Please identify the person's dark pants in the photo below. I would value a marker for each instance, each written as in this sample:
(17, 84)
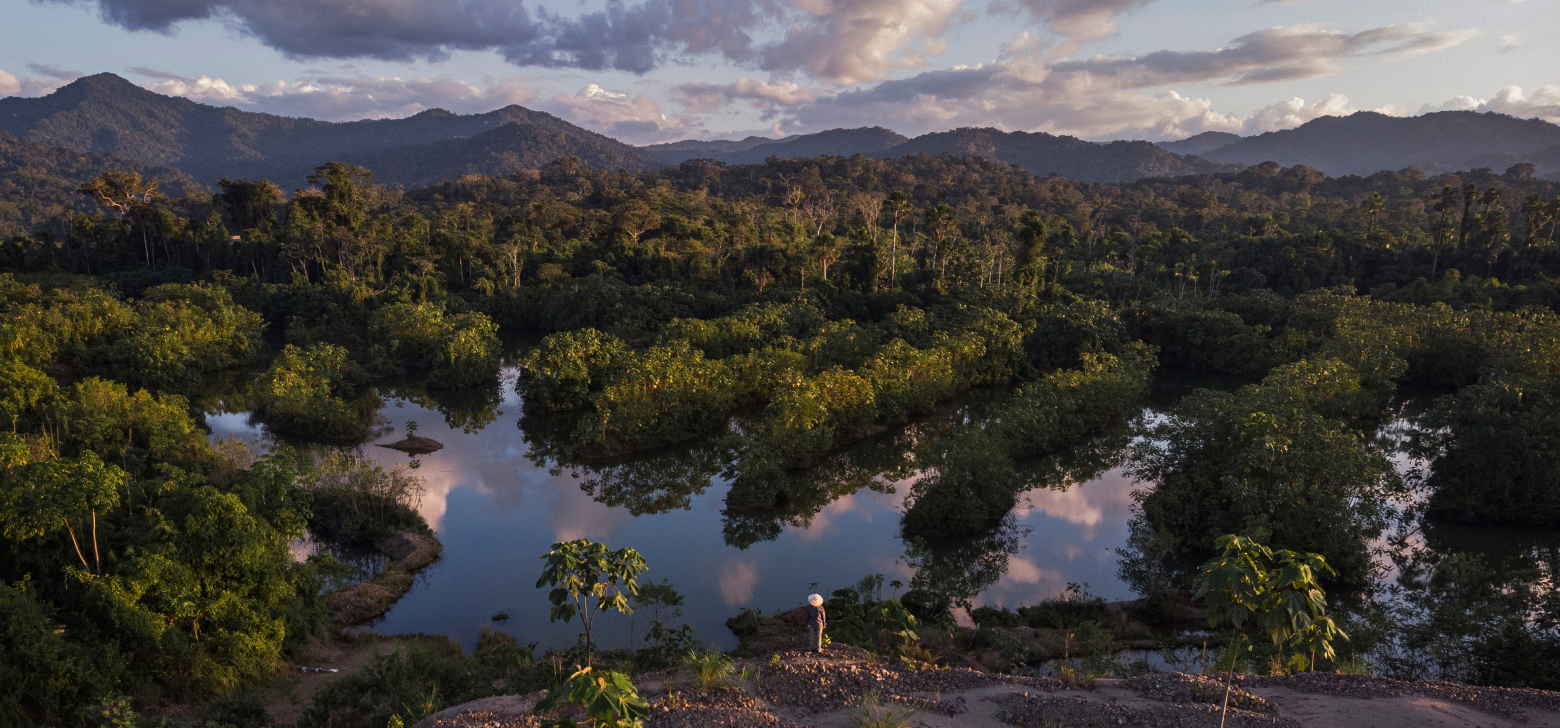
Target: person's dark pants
(815, 637)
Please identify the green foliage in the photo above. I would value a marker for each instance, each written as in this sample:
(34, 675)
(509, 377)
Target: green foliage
(354, 501)
(456, 351)
(1259, 462)
(594, 578)
(665, 394)
(1279, 592)
(609, 700)
(568, 368)
(179, 332)
(871, 713)
(410, 682)
(707, 670)
(45, 676)
(1492, 450)
(305, 392)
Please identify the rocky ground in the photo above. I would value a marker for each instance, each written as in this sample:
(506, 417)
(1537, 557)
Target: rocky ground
(804, 689)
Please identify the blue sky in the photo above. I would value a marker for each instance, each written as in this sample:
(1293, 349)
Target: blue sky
(659, 70)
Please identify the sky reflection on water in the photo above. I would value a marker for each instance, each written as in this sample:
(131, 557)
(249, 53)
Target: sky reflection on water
(496, 512)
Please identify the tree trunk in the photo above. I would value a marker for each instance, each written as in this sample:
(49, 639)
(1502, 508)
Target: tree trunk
(72, 533)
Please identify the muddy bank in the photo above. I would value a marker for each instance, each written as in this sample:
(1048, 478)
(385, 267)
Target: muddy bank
(406, 554)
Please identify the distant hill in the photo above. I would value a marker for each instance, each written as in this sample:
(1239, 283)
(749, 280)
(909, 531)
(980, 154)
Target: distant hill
(754, 150)
(1043, 154)
(1201, 143)
(38, 182)
(505, 150)
(107, 114)
(1367, 142)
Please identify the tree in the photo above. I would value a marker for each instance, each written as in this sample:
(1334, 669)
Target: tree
(1279, 592)
(594, 578)
(634, 218)
(895, 207)
(827, 248)
(119, 191)
(1373, 206)
(40, 498)
(939, 220)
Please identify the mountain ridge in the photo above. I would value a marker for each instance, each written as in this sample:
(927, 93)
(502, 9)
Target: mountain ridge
(105, 113)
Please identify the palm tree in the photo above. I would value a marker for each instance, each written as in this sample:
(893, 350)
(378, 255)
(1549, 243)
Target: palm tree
(1374, 206)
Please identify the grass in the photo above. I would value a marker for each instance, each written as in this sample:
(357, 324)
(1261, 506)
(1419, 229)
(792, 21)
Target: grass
(873, 714)
(707, 670)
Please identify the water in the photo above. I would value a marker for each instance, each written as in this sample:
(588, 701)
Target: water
(497, 511)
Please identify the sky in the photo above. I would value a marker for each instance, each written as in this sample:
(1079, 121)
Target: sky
(648, 71)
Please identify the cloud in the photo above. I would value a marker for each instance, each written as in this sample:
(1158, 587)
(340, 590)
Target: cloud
(704, 97)
(839, 41)
(1508, 43)
(1077, 21)
(1112, 96)
(48, 79)
(636, 119)
(621, 37)
(52, 72)
(1293, 113)
(338, 98)
(847, 42)
(1543, 104)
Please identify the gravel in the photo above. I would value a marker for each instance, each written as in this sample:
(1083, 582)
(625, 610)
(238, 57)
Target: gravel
(1505, 702)
(1037, 711)
(837, 679)
(1183, 689)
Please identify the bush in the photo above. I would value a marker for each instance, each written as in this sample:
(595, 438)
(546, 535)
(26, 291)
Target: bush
(411, 682)
(44, 677)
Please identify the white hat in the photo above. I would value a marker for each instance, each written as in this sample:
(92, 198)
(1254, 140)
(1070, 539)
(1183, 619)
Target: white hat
(815, 600)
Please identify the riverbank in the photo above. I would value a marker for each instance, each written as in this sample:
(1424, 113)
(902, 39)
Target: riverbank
(406, 553)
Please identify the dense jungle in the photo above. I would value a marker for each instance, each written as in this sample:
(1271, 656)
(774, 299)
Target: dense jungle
(793, 332)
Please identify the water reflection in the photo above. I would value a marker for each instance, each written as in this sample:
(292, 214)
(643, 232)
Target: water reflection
(499, 494)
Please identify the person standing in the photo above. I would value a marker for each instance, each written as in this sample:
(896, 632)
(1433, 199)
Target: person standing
(816, 619)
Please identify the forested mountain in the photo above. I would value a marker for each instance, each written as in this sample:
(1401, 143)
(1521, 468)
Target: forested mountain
(38, 182)
(1043, 154)
(1368, 142)
(1201, 143)
(844, 142)
(1039, 153)
(107, 114)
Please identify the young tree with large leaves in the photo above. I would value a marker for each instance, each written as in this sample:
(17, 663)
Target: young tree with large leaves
(586, 578)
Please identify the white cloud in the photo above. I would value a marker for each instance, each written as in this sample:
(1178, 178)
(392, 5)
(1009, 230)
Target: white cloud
(338, 98)
(1116, 96)
(634, 119)
(9, 85)
(846, 42)
(704, 98)
(1543, 104)
(737, 579)
(1293, 113)
(1508, 43)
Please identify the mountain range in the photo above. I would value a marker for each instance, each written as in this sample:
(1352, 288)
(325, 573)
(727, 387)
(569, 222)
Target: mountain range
(1368, 142)
(111, 117)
